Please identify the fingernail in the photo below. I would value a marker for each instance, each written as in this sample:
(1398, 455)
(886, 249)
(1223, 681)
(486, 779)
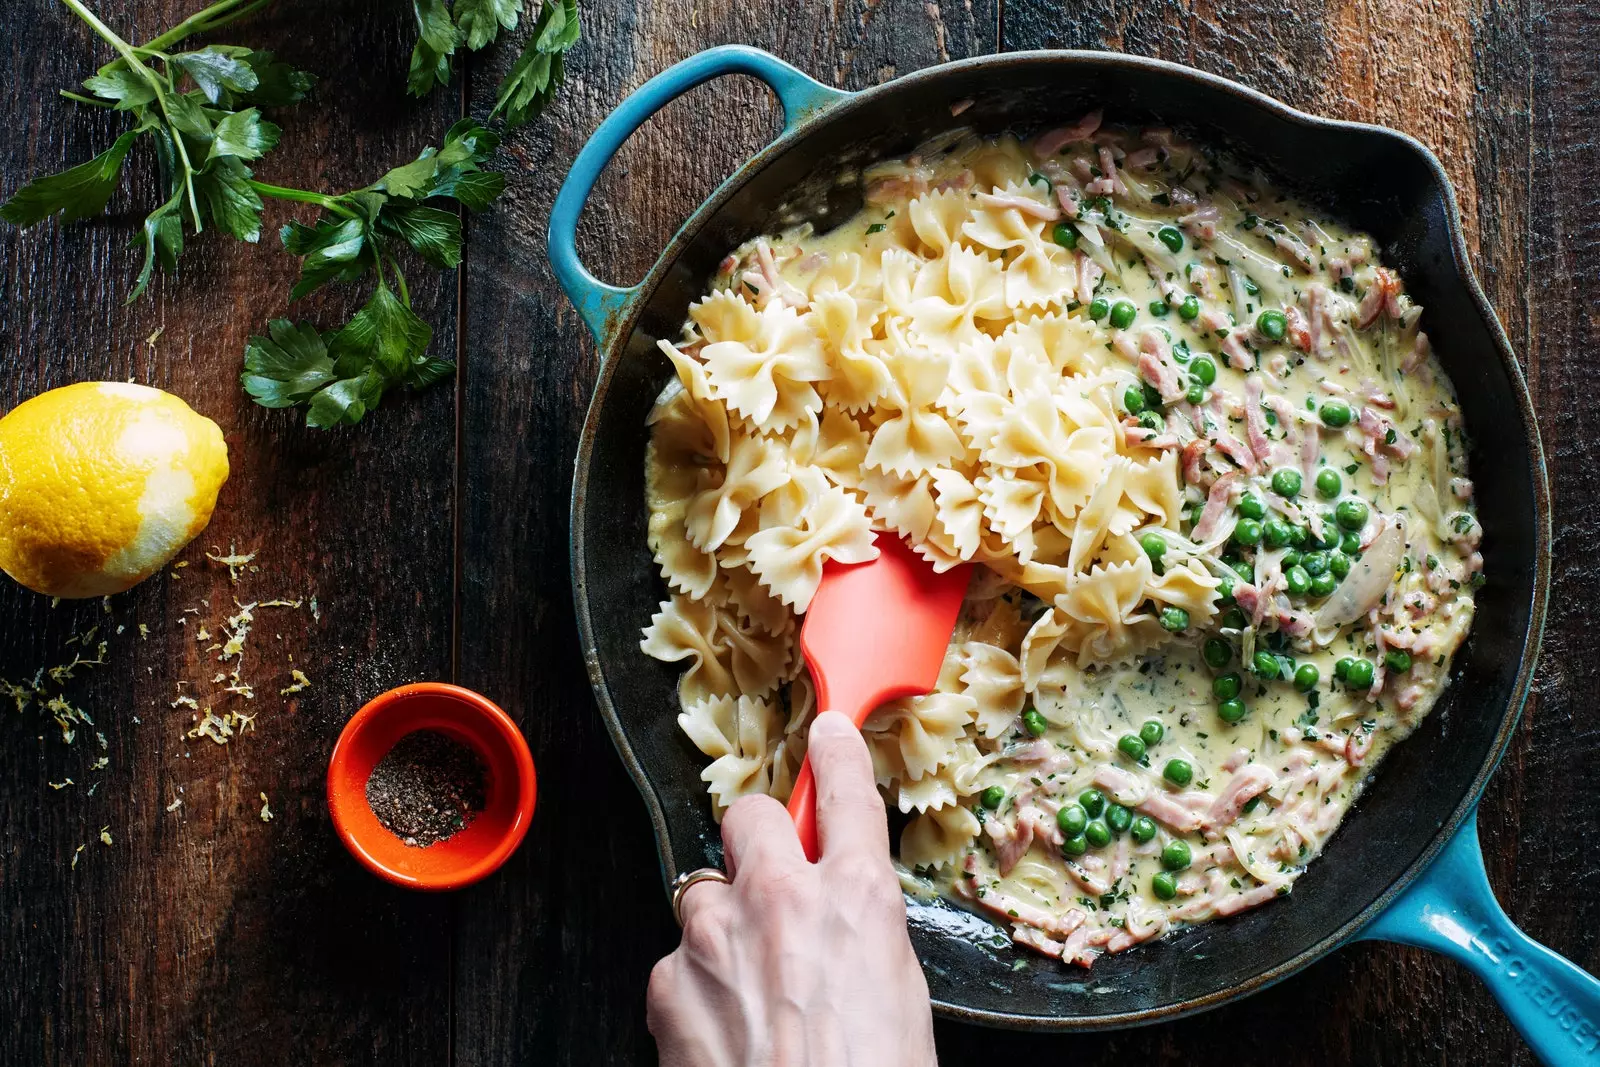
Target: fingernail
(832, 722)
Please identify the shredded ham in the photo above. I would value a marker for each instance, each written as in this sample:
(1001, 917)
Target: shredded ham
(1234, 903)
(1157, 365)
(1011, 843)
(1201, 223)
(1255, 420)
(1381, 297)
(1218, 501)
(1247, 784)
(1052, 142)
(1141, 158)
(1089, 275)
(1299, 328)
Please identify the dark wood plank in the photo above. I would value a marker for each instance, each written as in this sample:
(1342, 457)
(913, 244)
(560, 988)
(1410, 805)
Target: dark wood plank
(552, 956)
(203, 935)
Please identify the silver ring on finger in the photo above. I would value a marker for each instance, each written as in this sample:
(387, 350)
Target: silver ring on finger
(681, 884)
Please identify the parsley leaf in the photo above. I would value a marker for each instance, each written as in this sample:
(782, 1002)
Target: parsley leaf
(482, 20)
(540, 69)
(438, 38)
(76, 193)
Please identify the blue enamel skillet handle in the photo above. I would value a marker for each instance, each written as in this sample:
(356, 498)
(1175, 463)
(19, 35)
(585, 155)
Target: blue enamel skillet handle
(1452, 910)
(601, 304)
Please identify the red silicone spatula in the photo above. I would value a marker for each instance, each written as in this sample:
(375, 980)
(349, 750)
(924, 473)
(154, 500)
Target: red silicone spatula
(874, 632)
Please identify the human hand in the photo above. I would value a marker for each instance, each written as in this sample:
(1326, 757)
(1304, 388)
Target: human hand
(795, 963)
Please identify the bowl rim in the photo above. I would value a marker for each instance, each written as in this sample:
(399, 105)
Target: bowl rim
(504, 728)
(626, 322)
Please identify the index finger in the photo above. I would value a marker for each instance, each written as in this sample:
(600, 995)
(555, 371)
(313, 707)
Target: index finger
(850, 814)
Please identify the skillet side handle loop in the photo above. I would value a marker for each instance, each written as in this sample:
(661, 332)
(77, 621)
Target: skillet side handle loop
(599, 303)
(1451, 909)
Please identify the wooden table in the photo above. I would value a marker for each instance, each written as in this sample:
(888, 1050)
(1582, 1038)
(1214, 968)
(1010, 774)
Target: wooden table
(434, 538)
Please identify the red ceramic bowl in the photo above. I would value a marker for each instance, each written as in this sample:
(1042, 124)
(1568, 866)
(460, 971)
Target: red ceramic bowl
(488, 840)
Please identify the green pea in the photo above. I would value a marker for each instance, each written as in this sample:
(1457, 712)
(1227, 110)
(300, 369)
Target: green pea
(1350, 543)
(1099, 308)
(1231, 711)
(1189, 310)
(991, 797)
(1341, 669)
(1203, 369)
(1276, 533)
(1093, 801)
(1247, 532)
(1118, 818)
(1076, 845)
(1233, 619)
(1338, 565)
(1034, 723)
(1323, 584)
(1226, 686)
(1243, 569)
(1329, 484)
(1315, 563)
(1152, 420)
(1217, 653)
(1143, 829)
(1251, 507)
(1297, 581)
(1154, 545)
(1195, 394)
(1225, 587)
(1329, 535)
(1306, 677)
(1265, 666)
(1335, 413)
(1272, 324)
(1098, 834)
(1302, 537)
(1286, 482)
(1174, 620)
(1164, 886)
(1122, 316)
(1359, 676)
(1152, 732)
(1064, 235)
(1072, 819)
(1291, 558)
(1178, 772)
(1159, 308)
(1176, 856)
(1351, 514)
(1397, 660)
(1133, 399)
(1130, 745)
(1172, 237)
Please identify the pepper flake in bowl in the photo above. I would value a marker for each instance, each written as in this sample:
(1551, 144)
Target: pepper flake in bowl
(431, 786)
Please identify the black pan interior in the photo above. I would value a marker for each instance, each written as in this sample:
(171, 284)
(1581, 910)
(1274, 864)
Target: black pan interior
(1374, 180)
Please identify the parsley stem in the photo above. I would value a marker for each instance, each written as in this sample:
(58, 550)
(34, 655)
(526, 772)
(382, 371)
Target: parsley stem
(400, 281)
(302, 196)
(80, 99)
(218, 14)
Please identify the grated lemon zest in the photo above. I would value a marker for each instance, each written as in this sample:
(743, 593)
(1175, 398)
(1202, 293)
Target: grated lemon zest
(61, 784)
(266, 810)
(177, 802)
(301, 682)
(105, 835)
(75, 855)
(233, 561)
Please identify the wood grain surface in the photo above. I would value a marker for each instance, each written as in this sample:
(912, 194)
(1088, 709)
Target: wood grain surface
(434, 536)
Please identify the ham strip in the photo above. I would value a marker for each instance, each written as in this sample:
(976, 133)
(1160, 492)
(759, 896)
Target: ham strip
(1255, 420)
(1157, 366)
(1218, 501)
(1247, 784)
(1054, 141)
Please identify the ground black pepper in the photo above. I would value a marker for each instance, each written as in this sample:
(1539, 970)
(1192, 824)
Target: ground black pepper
(427, 788)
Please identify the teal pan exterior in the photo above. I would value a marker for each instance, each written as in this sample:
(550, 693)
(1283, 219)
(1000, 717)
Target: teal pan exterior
(1405, 866)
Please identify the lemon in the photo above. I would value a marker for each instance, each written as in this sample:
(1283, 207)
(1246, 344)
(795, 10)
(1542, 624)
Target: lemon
(102, 483)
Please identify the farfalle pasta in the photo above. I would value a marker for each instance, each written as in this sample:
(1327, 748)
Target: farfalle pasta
(1208, 474)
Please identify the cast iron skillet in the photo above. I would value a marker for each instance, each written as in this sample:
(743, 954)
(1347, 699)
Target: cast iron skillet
(1406, 865)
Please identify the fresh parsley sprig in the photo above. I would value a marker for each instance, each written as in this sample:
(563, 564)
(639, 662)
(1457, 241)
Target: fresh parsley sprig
(202, 110)
(204, 136)
(442, 30)
(342, 375)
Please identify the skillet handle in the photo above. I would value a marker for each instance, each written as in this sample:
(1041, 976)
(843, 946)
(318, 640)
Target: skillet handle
(1451, 909)
(600, 304)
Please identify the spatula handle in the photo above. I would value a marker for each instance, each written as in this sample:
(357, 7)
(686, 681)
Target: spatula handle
(803, 809)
